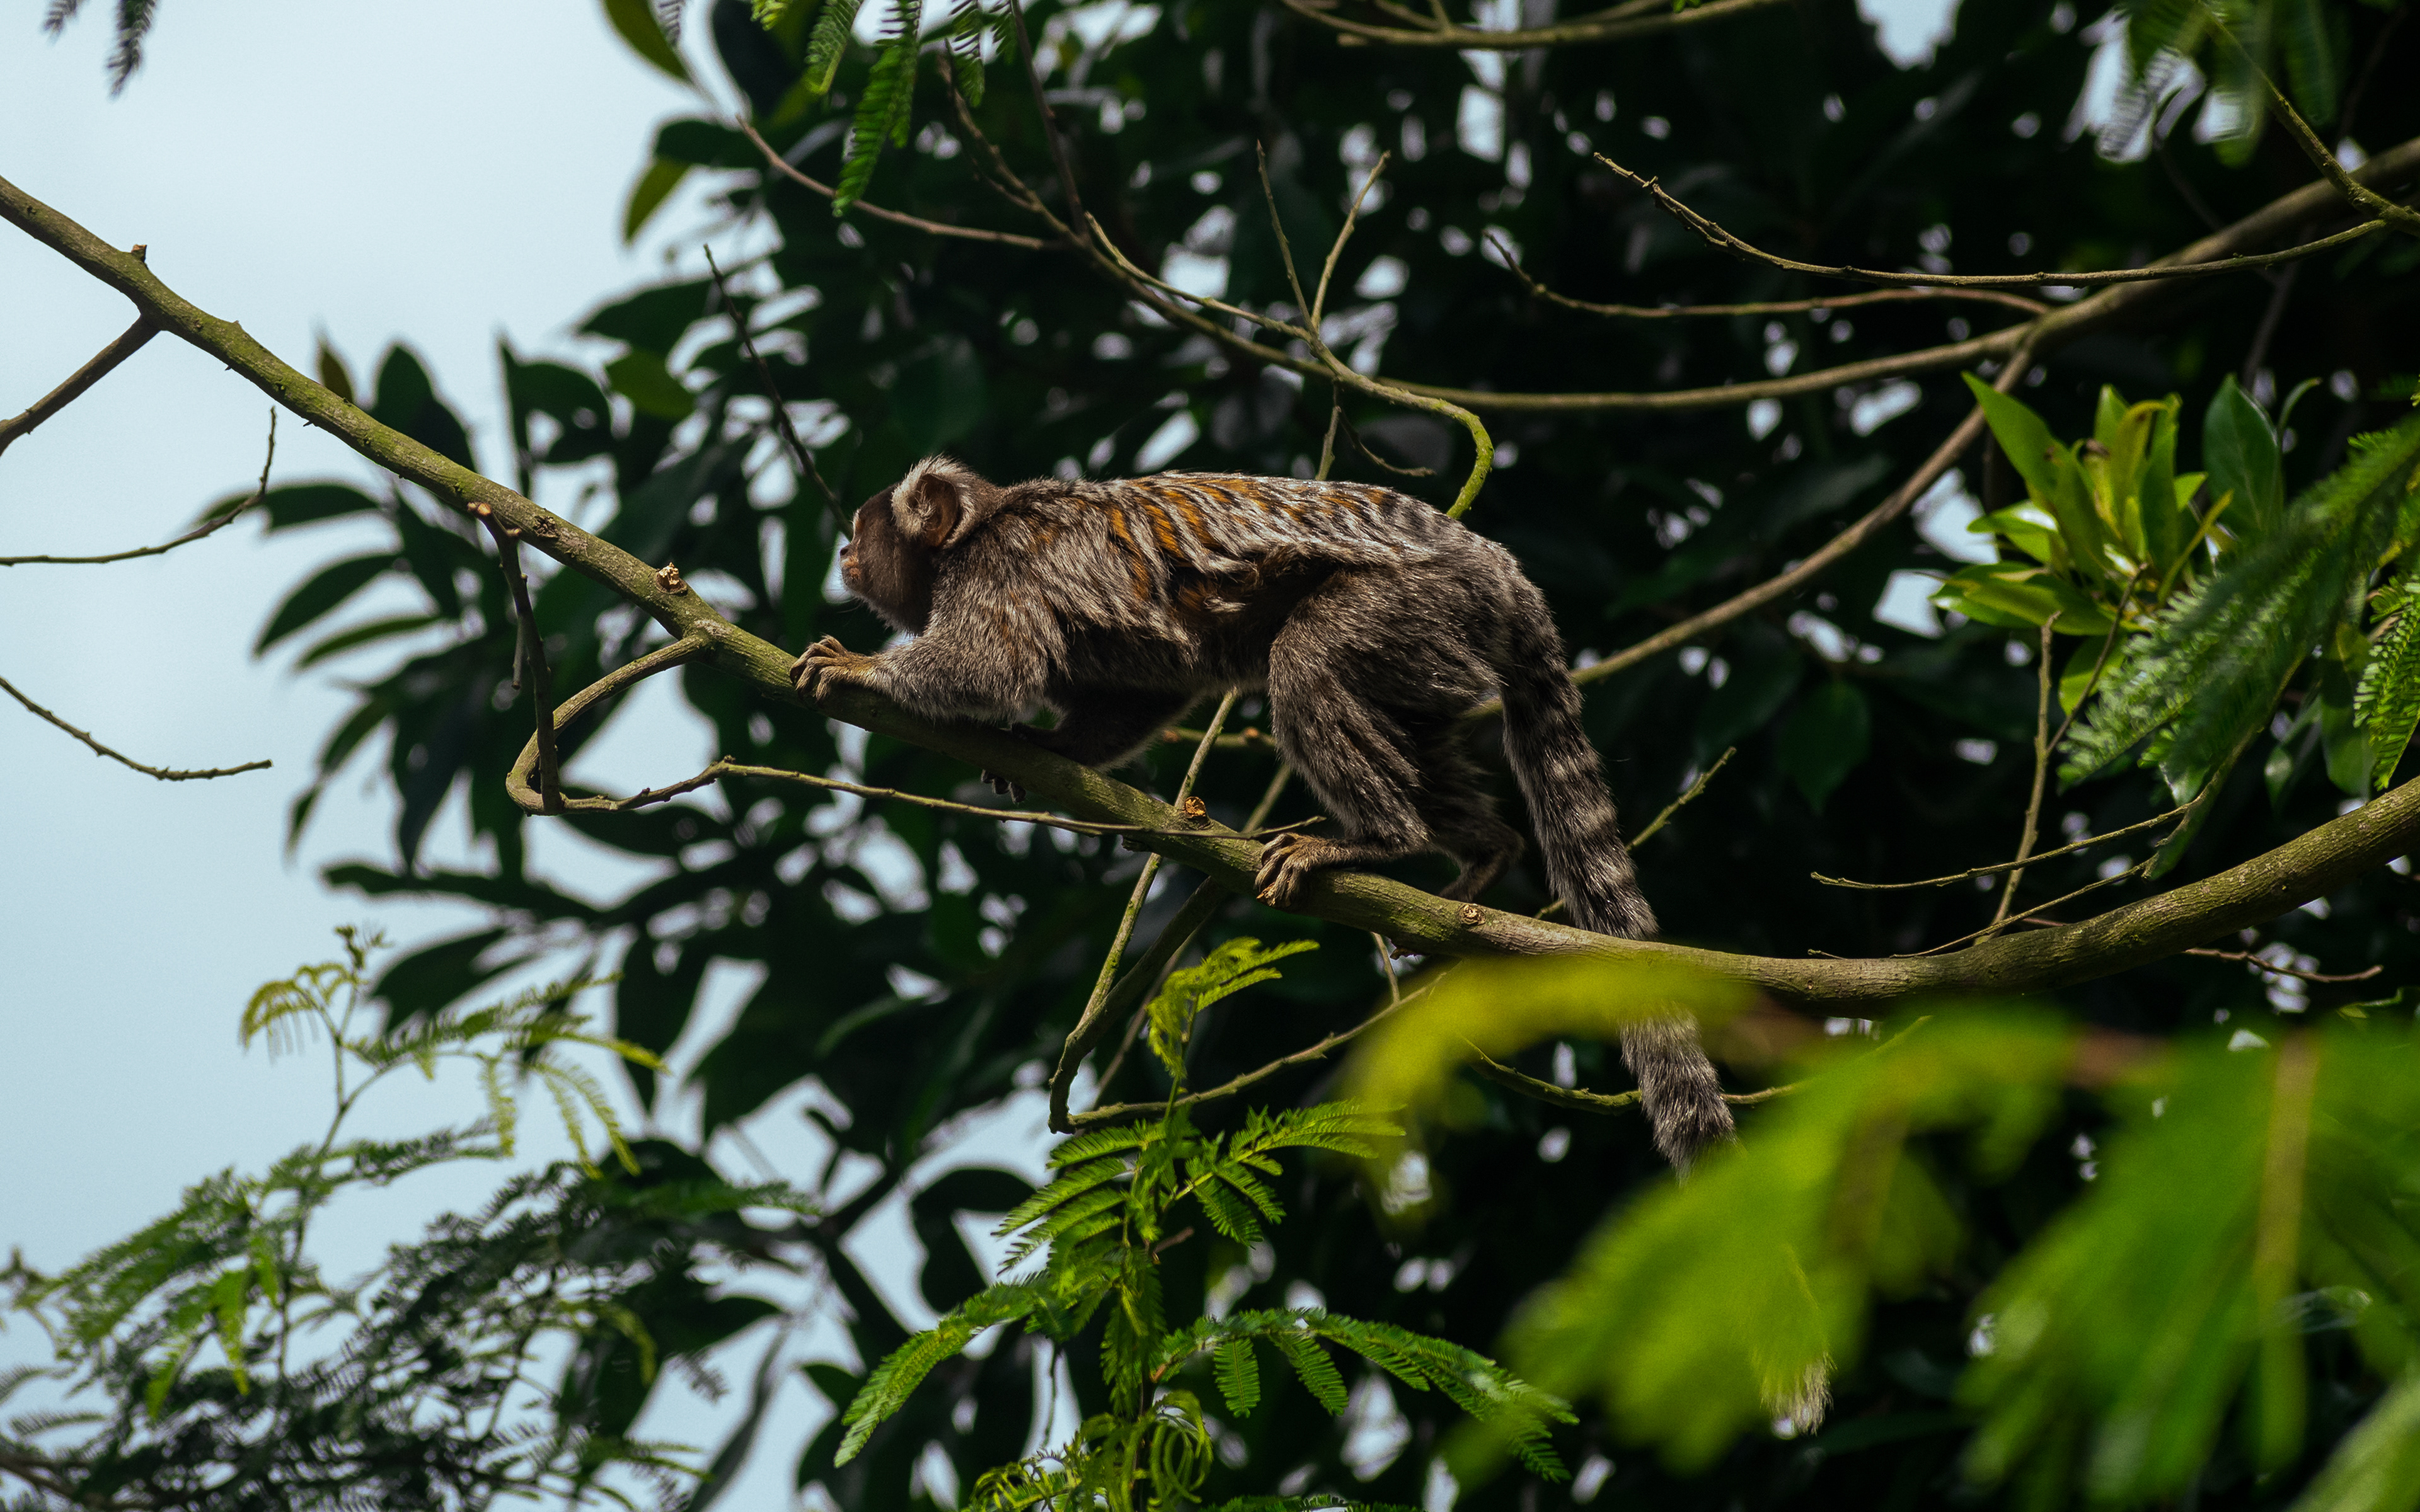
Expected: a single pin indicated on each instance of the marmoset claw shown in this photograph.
(1286, 862)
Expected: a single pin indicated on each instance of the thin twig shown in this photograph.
(1581, 1100)
(1327, 445)
(1690, 312)
(1087, 1023)
(804, 459)
(1636, 18)
(126, 345)
(1684, 800)
(1997, 867)
(678, 652)
(2041, 773)
(2241, 262)
(2136, 870)
(2272, 968)
(2360, 196)
(721, 768)
(1809, 567)
(208, 527)
(2258, 353)
(530, 652)
(1117, 1111)
(1483, 458)
(1352, 432)
(165, 774)
(939, 228)
(1336, 249)
(1050, 118)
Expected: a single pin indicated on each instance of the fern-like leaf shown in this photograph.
(1238, 1372)
(1345, 1128)
(1311, 1366)
(828, 44)
(2216, 661)
(968, 24)
(888, 1385)
(2386, 704)
(882, 113)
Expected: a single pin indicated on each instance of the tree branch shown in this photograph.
(1715, 236)
(84, 377)
(206, 528)
(165, 774)
(939, 228)
(1682, 311)
(2310, 866)
(1637, 18)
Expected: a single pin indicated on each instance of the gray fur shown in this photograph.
(1373, 621)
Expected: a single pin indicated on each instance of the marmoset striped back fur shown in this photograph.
(1373, 621)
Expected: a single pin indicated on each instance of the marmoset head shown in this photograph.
(895, 544)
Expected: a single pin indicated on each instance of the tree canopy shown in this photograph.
(1978, 492)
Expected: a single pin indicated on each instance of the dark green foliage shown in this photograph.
(1022, 362)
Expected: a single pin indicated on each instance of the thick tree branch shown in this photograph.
(84, 377)
(2310, 866)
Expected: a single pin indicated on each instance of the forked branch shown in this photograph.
(126, 345)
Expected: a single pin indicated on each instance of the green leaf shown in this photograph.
(2376, 1468)
(2240, 452)
(2013, 595)
(642, 377)
(321, 594)
(2386, 702)
(654, 187)
(828, 45)
(882, 111)
(1826, 738)
(2052, 477)
(637, 25)
(1235, 965)
(1312, 1366)
(1238, 1375)
(362, 635)
(2210, 670)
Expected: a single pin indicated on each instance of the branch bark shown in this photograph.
(84, 377)
(2308, 867)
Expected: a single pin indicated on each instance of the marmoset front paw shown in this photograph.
(828, 666)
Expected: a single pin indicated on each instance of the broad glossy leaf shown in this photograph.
(2240, 453)
(321, 595)
(636, 25)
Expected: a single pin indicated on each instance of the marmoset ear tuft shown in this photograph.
(940, 500)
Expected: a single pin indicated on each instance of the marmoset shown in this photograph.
(1374, 623)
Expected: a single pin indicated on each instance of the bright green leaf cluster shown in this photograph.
(1101, 1225)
